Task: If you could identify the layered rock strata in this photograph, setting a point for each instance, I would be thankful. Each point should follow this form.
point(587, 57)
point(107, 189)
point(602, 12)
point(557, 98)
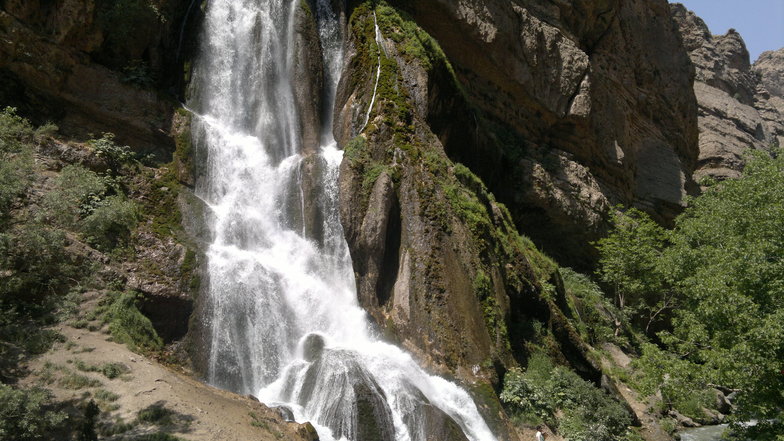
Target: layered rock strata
point(740, 105)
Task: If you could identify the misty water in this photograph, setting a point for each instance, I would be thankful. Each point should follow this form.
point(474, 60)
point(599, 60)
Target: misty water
point(282, 314)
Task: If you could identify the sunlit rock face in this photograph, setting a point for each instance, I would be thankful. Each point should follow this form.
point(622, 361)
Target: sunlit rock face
point(740, 105)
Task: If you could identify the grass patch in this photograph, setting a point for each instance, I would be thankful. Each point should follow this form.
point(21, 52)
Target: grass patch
point(77, 381)
point(105, 395)
point(155, 414)
point(114, 370)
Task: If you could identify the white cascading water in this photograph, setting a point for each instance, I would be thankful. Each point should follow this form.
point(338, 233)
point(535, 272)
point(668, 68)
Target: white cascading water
point(282, 313)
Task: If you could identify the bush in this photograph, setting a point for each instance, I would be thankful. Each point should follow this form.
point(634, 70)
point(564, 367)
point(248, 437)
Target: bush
point(84, 199)
point(129, 326)
point(110, 223)
point(114, 370)
point(116, 156)
point(25, 414)
point(594, 313)
point(16, 162)
point(544, 390)
point(77, 381)
point(155, 414)
point(33, 264)
point(77, 191)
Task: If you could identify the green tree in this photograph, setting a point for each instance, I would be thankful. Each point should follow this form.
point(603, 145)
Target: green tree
point(631, 264)
point(724, 262)
point(24, 414)
point(727, 258)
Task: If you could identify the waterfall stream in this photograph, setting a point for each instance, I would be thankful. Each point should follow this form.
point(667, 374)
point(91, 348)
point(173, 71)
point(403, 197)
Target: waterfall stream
point(282, 313)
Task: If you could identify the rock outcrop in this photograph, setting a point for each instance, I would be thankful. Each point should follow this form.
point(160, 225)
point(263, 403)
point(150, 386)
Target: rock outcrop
point(439, 263)
point(739, 108)
point(769, 97)
point(89, 65)
point(575, 103)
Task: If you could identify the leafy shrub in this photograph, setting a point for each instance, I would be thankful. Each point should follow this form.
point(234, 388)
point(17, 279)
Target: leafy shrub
point(544, 390)
point(592, 310)
point(110, 223)
point(83, 199)
point(105, 395)
point(76, 192)
point(155, 414)
point(77, 381)
point(116, 156)
point(16, 161)
point(33, 264)
point(129, 326)
point(25, 414)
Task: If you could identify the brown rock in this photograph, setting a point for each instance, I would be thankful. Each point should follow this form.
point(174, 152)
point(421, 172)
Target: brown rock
point(575, 103)
point(737, 111)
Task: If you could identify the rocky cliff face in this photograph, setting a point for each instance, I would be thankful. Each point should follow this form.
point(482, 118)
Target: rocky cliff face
point(575, 103)
point(89, 65)
point(439, 263)
point(740, 105)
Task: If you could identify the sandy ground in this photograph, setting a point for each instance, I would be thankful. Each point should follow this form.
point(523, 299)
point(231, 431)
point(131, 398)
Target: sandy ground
point(198, 412)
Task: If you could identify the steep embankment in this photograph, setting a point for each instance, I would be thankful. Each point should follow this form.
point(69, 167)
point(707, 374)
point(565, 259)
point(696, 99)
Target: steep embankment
point(740, 105)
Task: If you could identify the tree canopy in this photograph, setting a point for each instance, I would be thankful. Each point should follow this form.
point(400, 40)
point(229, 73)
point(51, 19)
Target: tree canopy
point(723, 265)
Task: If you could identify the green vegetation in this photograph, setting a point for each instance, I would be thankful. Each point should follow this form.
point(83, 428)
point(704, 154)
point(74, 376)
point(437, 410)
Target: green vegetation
point(631, 264)
point(109, 370)
point(16, 162)
point(556, 395)
point(27, 414)
point(594, 313)
point(722, 266)
point(92, 204)
point(155, 414)
point(129, 326)
point(77, 381)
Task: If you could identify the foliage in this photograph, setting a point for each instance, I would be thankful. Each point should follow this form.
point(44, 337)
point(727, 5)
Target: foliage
point(33, 263)
point(110, 223)
point(676, 379)
point(75, 194)
point(630, 264)
point(114, 370)
point(16, 161)
point(593, 311)
point(559, 396)
point(116, 156)
point(129, 326)
point(155, 414)
point(25, 414)
point(94, 204)
point(725, 262)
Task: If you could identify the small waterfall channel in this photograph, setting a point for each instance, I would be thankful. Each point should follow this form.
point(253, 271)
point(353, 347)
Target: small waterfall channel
point(282, 313)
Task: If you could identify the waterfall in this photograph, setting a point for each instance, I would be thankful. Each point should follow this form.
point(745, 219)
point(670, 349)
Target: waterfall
point(281, 305)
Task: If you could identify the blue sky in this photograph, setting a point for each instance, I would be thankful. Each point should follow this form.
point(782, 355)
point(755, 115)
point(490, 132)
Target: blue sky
point(759, 22)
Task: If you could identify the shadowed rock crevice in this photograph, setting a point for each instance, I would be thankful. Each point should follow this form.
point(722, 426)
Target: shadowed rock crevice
point(391, 259)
